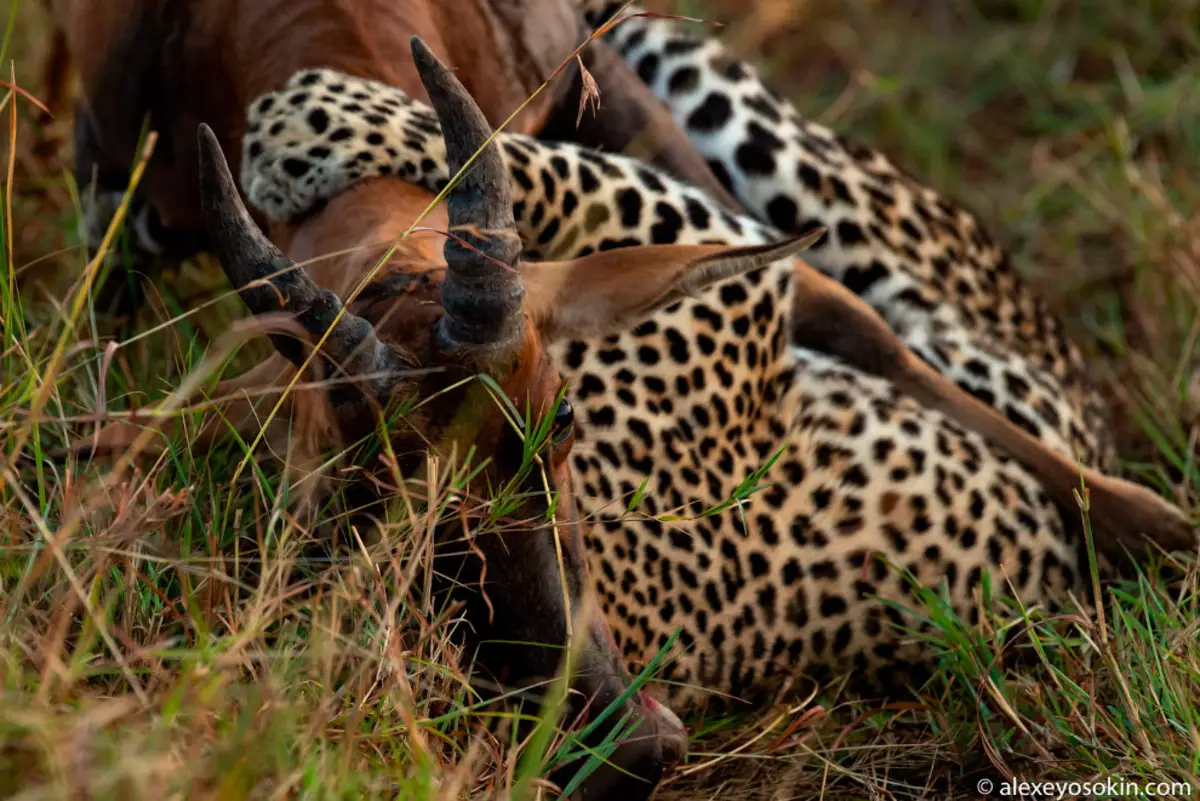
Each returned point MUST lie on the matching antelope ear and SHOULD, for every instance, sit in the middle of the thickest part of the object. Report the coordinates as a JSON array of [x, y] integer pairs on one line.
[[614, 290]]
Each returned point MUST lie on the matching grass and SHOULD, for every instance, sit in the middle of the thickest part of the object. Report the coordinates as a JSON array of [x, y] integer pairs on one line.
[[154, 654]]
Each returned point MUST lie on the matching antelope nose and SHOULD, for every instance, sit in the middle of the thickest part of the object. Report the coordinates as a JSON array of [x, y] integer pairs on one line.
[[672, 734]]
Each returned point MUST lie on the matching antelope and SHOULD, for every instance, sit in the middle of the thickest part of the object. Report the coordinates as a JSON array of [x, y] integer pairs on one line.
[[192, 67]]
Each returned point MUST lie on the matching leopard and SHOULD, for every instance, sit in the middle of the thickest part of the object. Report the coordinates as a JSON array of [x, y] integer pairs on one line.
[[769, 508]]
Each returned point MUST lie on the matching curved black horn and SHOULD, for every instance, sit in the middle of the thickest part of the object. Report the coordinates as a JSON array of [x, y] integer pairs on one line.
[[268, 281], [482, 292]]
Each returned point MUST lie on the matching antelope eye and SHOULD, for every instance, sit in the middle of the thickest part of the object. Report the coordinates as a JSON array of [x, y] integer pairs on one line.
[[564, 416]]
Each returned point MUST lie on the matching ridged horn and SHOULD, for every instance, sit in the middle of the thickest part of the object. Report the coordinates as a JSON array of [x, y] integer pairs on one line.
[[482, 292], [268, 281]]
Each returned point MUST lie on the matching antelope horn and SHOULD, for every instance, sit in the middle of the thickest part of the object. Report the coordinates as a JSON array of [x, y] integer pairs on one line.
[[482, 292], [268, 281]]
